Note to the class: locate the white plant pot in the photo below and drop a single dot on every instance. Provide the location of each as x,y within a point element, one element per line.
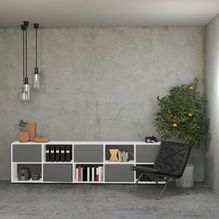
<point>187,179</point>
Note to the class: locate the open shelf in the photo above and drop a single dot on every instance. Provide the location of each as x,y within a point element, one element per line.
<point>24,172</point>
<point>89,173</point>
<point>124,152</point>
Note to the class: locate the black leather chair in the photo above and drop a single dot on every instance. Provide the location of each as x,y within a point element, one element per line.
<point>170,164</point>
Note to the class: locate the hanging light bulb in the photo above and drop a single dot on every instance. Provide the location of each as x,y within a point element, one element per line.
<point>36,76</point>
<point>24,95</point>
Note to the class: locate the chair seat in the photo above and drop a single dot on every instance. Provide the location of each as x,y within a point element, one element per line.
<point>155,171</point>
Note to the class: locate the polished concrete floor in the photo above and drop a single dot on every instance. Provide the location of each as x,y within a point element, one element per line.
<point>52,201</point>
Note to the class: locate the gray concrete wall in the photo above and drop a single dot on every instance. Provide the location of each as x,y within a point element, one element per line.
<point>212,84</point>
<point>98,83</point>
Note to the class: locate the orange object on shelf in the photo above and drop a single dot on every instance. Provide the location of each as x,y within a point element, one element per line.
<point>32,130</point>
<point>24,137</point>
<point>41,139</point>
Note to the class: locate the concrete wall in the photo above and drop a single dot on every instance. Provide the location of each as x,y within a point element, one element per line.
<point>212,84</point>
<point>98,83</point>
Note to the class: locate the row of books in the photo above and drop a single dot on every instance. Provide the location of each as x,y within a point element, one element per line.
<point>58,153</point>
<point>123,156</point>
<point>89,174</point>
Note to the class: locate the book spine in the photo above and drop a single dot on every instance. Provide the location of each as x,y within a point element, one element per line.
<point>79,174</point>
<point>101,173</point>
<point>88,174</point>
<point>76,175</point>
<point>93,174</point>
<point>47,153</point>
<point>52,153</point>
<point>62,155</point>
<point>97,174</point>
<point>57,154</point>
<point>67,154</point>
<point>82,176</point>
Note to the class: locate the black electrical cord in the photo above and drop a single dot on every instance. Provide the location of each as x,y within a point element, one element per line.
<point>36,48</point>
<point>36,26</point>
<point>26,23</point>
<point>26,50</point>
<point>22,28</point>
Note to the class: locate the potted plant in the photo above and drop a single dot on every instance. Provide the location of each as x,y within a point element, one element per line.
<point>24,134</point>
<point>181,115</point>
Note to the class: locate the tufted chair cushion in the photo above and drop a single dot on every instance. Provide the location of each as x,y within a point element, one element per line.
<point>172,158</point>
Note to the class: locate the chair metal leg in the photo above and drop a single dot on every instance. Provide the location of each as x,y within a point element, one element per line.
<point>139,178</point>
<point>162,191</point>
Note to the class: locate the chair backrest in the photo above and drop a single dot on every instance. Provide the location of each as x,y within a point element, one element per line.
<point>172,158</point>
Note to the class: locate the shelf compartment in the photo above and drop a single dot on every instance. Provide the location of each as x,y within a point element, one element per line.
<point>58,153</point>
<point>122,148</point>
<point>57,172</point>
<point>89,173</point>
<point>88,153</point>
<point>27,153</point>
<point>31,168</point>
<point>120,173</point>
<point>146,153</point>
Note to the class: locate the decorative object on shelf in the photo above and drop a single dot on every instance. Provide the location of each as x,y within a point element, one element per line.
<point>21,125</point>
<point>36,76</point>
<point>123,156</point>
<point>113,154</point>
<point>23,174</point>
<point>28,132</point>
<point>41,139</point>
<point>150,139</point>
<point>32,130</point>
<point>24,95</point>
<point>181,115</point>
<point>35,176</point>
<point>24,136</point>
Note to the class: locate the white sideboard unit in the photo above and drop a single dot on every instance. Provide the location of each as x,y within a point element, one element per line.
<point>81,161</point>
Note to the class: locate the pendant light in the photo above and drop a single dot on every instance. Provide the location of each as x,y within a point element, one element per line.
<point>36,76</point>
<point>25,91</point>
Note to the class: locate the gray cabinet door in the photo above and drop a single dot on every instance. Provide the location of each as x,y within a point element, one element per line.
<point>26,153</point>
<point>146,153</point>
<point>88,153</point>
<point>57,172</point>
<point>119,173</point>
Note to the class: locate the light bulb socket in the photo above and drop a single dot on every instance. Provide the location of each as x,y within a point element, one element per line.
<point>26,80</point>
<point>36,70</point>
<point>36,26</point>
<point>23,27</point>
<point>26,24</point>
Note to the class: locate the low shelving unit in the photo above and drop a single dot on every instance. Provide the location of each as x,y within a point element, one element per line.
<point>80,161</point>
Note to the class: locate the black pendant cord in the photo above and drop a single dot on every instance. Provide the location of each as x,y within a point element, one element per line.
<point>22,27</point>
<point>36,26</point>
<point>25,24</point>
<point>26,50</point>
<point>36,47</point>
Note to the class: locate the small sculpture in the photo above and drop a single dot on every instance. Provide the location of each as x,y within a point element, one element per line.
<point>113,154</point>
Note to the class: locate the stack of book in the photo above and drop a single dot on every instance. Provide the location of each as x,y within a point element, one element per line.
<point>89,174</point>
<point>123,156</point>
<point>58,153</point>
